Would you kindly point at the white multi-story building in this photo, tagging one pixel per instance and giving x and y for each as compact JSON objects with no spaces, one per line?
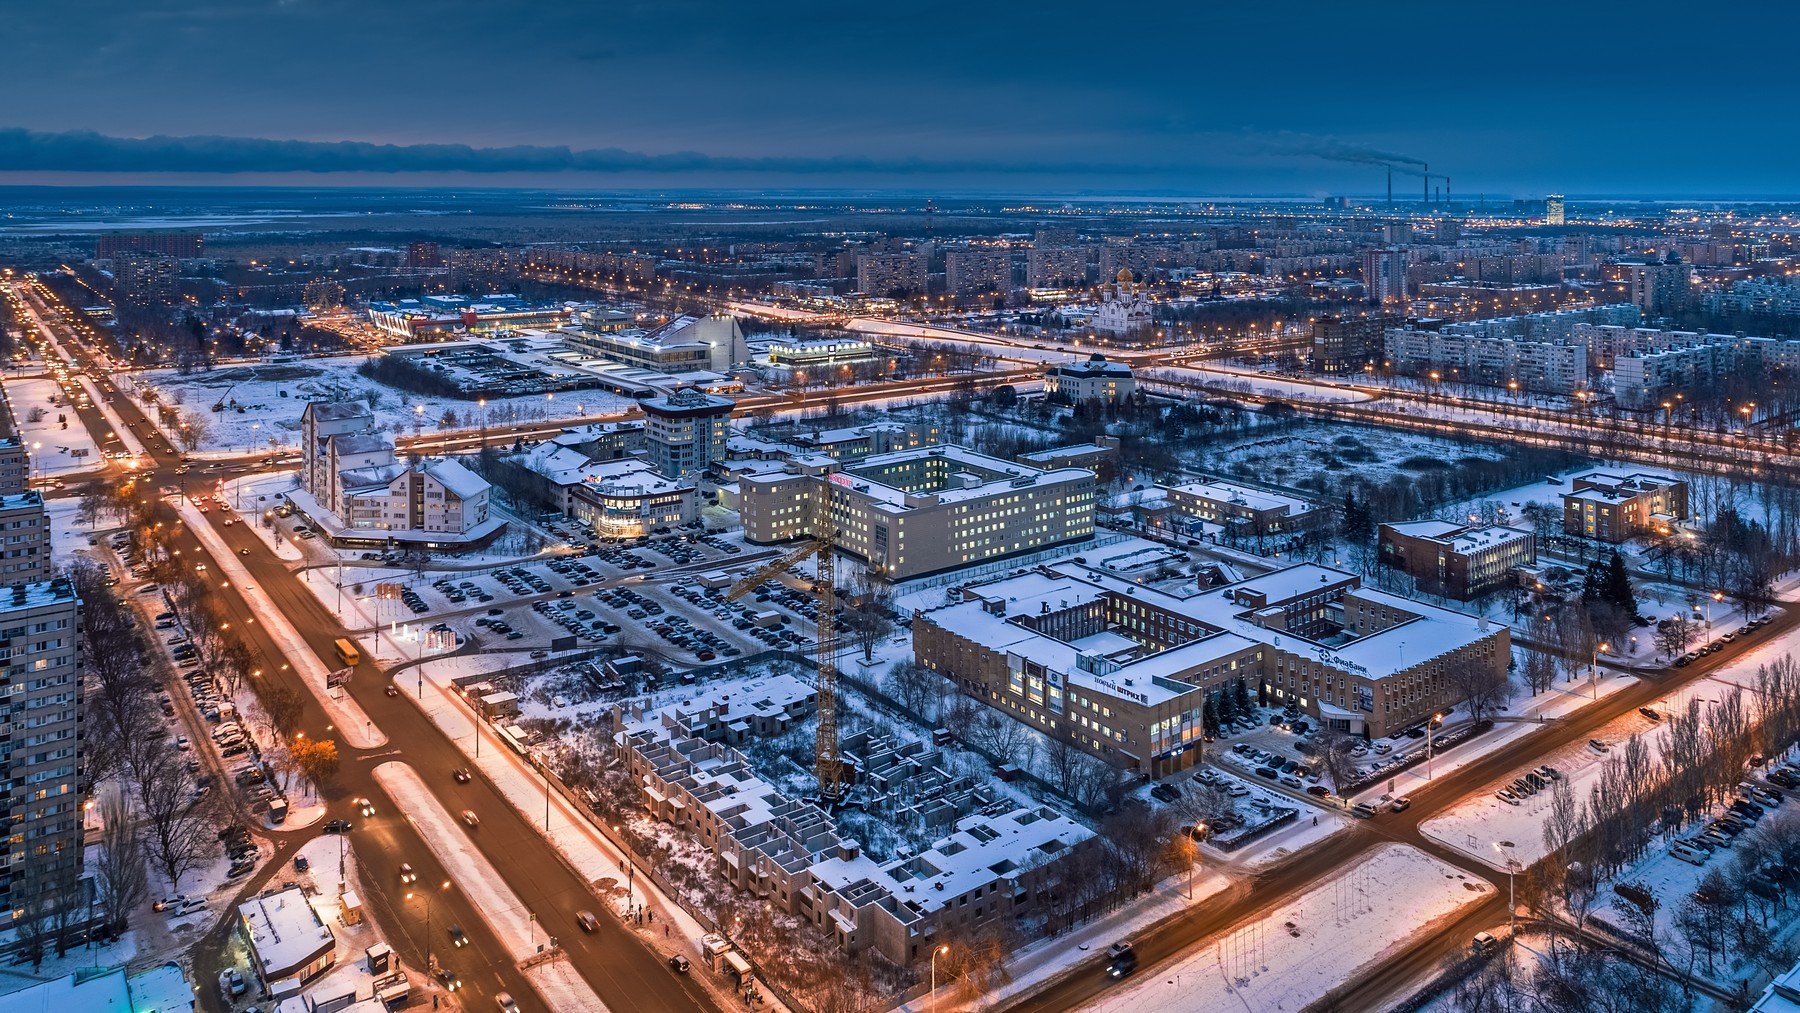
{"x":923,"y":511}
{"x":1462,"y":357}
{"x":1093,"y":379}
{"x":358,"y":492}
{"x":1384,"y":274}
{"x":683,"y":345}
{"x":686,"y":431}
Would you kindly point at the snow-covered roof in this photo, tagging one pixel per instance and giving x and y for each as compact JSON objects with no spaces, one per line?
{"x":285,"y":932}
{"x":458,"y":479}
{"x":1237,"y":495}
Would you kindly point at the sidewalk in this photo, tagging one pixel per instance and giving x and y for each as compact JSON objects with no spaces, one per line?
{"x":586,"y":850}
{"x":345,"y":713}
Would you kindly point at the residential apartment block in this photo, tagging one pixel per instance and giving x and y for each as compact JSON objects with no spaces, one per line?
{"x":1055,"y":266}
{"x":1123,"y":670}
{"x":41,"y":758}
{"x":1457,"y":560}
{"x":24,"y":539}
{"x":978,"y":269}
{"x":889,"y":273}
{"x":986,"y":863}
{"x":925,"y":510}
{"x":1613,"y":506}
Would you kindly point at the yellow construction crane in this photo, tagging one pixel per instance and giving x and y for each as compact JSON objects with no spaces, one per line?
{"x":820,"y":544}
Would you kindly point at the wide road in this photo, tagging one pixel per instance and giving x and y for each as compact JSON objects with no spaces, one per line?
{"x":626,"y":973}
{"x":1267,"y":890}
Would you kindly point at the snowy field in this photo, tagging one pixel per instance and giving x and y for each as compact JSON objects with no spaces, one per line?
{"x":1312,"y":944}
{"x":57,"y":450}
{"x":272,"y":395}
{"x":1293,"y":455}
{"x":1478,"y":823}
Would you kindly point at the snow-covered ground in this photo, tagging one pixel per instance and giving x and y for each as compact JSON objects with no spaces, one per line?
{"x":355,"y":726}
{"x":272,"y":396}
{"x":56,"y":450}
{"x":1479,"y":822}
{"x":1303,"y":949}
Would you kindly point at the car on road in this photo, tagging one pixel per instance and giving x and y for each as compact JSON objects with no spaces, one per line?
{"x":469,"y":817}
{"x":366,"y":807}
{"x":1318,"y":791}
{"x":1651,"y":714}
{"x":461,"y":774}
{"x":505,"y":1001}
{"x":407,"y":875}
{"x":587,"y":921}
{"x":679,"y":963}
{"x":1121,"y":960}
{"x":338,"y":827}
{"x":1400,"y":804}
{"x":458,"y":938}
{"x":448,"y":979}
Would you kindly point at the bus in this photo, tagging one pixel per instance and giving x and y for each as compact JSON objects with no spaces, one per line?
{"x":347,"y":652}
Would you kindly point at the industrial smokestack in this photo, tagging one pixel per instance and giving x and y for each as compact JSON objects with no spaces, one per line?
{"x":1390,"y":170}
{"x":1427,"y":177}
{"x":1447,"y":190}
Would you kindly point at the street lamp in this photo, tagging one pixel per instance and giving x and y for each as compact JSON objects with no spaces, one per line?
{"x":942,"y":949}
{"x":430,"y":905}
{"x":1429,"y":725}
{"x":1512,"y":865}
{"x":1594,"y":666}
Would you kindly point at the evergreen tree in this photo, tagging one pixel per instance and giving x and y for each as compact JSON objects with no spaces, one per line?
{"x":1209,"y":717}
{"x":1591,"y":587}
{"x":1616,"y":586}
{"x":1241,"y":694}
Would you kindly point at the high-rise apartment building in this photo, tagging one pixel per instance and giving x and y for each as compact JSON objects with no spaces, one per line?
{"x":179,"y":245}
{"x":1662,"y":287}
{"x":146,"y":279}
{"x":1054,"y":266}
{"x":24,"y":538}
{"x":892,"y":273}
{"x":1384,"y":275}
{"x":967,"y":272}
{"x":40,"y":743}
{"x":1553,"y":209}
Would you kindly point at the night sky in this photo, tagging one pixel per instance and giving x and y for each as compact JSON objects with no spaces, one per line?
{"x":1650,"y":98}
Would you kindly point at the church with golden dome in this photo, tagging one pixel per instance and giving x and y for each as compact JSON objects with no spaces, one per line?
{"x":1124,"y":306}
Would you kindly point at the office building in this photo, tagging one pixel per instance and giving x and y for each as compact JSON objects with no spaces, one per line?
{"x":629,"y":499}
{"x":978,"y":269}
{"x":1123,"y":670}
{"x":439,"y":317}
{"x":1611,"y":506}
{"x":1239,"y":511}
{"x":1384,"y":275}
{"x":1457,"y":560}
{"x":1553,"y":209}
{"x":892,"y":274}
{"x":794,"y":353}
{"x":686,"y":430}
{"x":41,"y":756}
{"x":682,"y":345}
{"x":923,"y":511}
{"x":1095,"y":379}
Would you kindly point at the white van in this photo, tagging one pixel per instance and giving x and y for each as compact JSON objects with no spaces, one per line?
{"x":1365,"y":809}
{"x":1484,"y":943}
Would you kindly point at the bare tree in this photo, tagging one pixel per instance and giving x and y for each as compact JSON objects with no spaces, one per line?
{"x":178,"y":826}
{"x":1484,"y":689}
{"x":914,"y":687}
{"x":121,"y":874}
{"x":1334,"y":752}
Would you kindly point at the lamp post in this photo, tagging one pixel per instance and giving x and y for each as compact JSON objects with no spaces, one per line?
{"x":942,"y":948}
{"x":1594,"y":666}
{"x":1512,"y":865}
{"x":1429,"y":725}
{"x":430,"y":904}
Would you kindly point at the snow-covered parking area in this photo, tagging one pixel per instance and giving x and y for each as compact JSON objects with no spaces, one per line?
{"x":1301,"y":950}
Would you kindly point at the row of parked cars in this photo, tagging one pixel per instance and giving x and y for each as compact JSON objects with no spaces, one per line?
{"x":1528,"y":784}
{"x":1752,"y":803}
{"x":572,"y":617}
{"x":459,"y":592}
{"x":712,"y":599}
{"x":1718,"y":645}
